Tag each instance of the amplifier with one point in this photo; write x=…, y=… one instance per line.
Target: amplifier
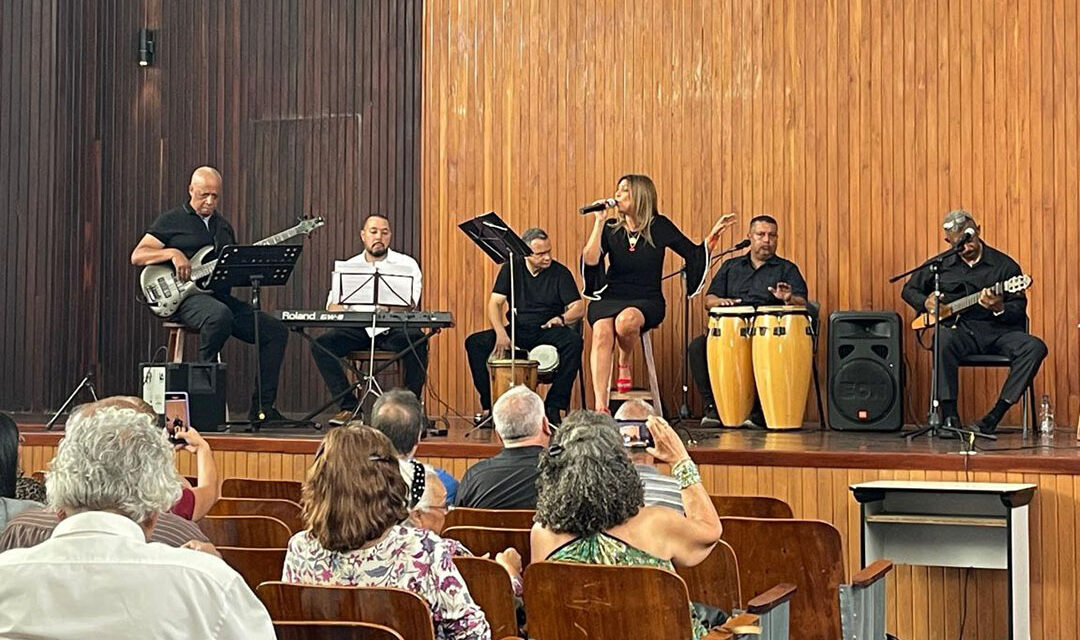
x=204, y=382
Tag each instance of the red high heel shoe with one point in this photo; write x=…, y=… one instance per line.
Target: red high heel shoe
x=622, y=385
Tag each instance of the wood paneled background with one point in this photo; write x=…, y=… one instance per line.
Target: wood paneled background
x=306, y=107
x=856, y=123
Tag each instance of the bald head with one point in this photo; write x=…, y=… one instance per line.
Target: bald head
x=205, y=189
x=634, y=410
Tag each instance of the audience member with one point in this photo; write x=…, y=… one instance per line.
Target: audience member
x=354, y=503
x=508, y=480
x=660, y=490
x=10, y=448
x=26, y=488
x=195, y=502
x=112, y=478
x=399, y=414
x=34, y=526
x=591, y=504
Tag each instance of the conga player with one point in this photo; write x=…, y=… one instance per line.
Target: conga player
x=548, y=306
x=757, y=278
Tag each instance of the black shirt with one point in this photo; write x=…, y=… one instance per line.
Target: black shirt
x=539, y=297
x=505, y=481
x=959, y=280
x=636, y=275
x=181, y=228
x=738, y=279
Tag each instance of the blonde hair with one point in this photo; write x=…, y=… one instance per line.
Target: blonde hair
x=645, y=201
x=354, y=491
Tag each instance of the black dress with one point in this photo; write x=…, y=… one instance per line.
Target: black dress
x=632, y=278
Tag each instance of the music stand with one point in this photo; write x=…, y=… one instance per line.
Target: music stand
x=255, y=266
x=501, y=244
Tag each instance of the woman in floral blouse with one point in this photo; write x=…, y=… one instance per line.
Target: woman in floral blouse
x=354, y=499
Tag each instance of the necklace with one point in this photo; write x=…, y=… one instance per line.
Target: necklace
x=633, y=239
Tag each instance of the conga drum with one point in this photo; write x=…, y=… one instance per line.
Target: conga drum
x=731, y=365
x=547, y=361
x=783, y=348
x=506, y=373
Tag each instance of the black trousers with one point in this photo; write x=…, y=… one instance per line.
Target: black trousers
x=219, y=316
x=339, y=342
x=1025, y=350
x=565, y=340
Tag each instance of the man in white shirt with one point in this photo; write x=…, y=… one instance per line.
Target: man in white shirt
x=330, y=347
x=97, y=576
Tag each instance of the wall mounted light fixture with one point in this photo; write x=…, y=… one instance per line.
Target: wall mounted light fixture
x=146, y=48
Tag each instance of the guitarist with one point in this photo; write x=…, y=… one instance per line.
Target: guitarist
x=995, y=326
x=174, y=237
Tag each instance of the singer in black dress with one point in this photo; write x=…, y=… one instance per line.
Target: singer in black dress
x=626, y=296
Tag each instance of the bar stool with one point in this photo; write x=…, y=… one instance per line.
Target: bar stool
x=652, y=395
x=177, y=334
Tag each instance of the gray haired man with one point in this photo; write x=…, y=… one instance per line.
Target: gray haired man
x=508, y=480
x=548, y=303
x=97, y=576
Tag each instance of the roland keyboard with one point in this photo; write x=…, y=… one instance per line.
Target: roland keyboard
x=361, y=319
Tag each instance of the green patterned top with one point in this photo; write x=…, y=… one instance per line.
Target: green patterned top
x=605, y=549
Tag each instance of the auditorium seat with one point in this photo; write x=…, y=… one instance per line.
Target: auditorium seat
x=751, y=506
x=285, y=510
x=334, y=631
x=491, y=540
x=254, y=564
x=502, y=518
x=401, y=610
x=809, y=555
x=573, y=601
x=259, y=532
x=253, y=488
x=490, y=587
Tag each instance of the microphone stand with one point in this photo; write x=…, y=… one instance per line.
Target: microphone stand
x=684, y=408
x=934, y=422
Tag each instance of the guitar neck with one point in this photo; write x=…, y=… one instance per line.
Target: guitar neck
x=204, y=270
x=971, y=299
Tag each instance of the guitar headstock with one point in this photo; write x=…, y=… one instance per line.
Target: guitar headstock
x=308, y=224
x=1016, y=284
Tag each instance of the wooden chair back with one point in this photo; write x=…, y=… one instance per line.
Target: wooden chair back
x=637, y=602
x=805, y=553
x=500, y=518
x=715, y=581
x=259, y=532
x=334, y=631
x=490, y=587
x=255, y=565
x=491, y=540
x=285, y=510
x=253, y=488
x=401, y=610
x=751, y=507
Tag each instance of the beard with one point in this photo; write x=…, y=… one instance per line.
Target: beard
x=379, y=250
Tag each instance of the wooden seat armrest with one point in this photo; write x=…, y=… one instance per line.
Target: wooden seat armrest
x=871, y=574
x=511, y=638
x=735, y=626
x=771, y=599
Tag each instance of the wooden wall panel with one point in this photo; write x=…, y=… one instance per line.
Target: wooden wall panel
x=306, y=107
x=857, y=124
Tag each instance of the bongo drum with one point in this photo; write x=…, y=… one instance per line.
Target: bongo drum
x=731, y=365
x=783, y=348
x=547, y=361
x=524, y=372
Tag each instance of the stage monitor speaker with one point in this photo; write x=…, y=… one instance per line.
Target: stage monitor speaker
x=204, y=382
x=866, y=371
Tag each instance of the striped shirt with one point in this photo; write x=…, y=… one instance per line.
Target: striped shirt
x=36, y=525
x=660, y=490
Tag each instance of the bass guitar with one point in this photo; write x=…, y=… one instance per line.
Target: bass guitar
x=164, y=291
x=1014, y=284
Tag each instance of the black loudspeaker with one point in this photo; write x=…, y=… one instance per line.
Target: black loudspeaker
x=204, y=383
x=866, y=371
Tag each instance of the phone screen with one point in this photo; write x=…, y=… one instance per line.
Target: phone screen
x=177, y=414
x=635, y=433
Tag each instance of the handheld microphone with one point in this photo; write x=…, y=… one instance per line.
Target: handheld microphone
x=969, y=233
x=606, y=203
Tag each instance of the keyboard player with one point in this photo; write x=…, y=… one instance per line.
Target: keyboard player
x=329, y=348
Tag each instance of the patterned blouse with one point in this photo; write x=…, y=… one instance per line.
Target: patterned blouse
x=406, y=558
x=605, y=549
x=29, y=489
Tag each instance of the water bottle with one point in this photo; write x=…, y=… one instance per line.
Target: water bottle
x=1046, y=419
